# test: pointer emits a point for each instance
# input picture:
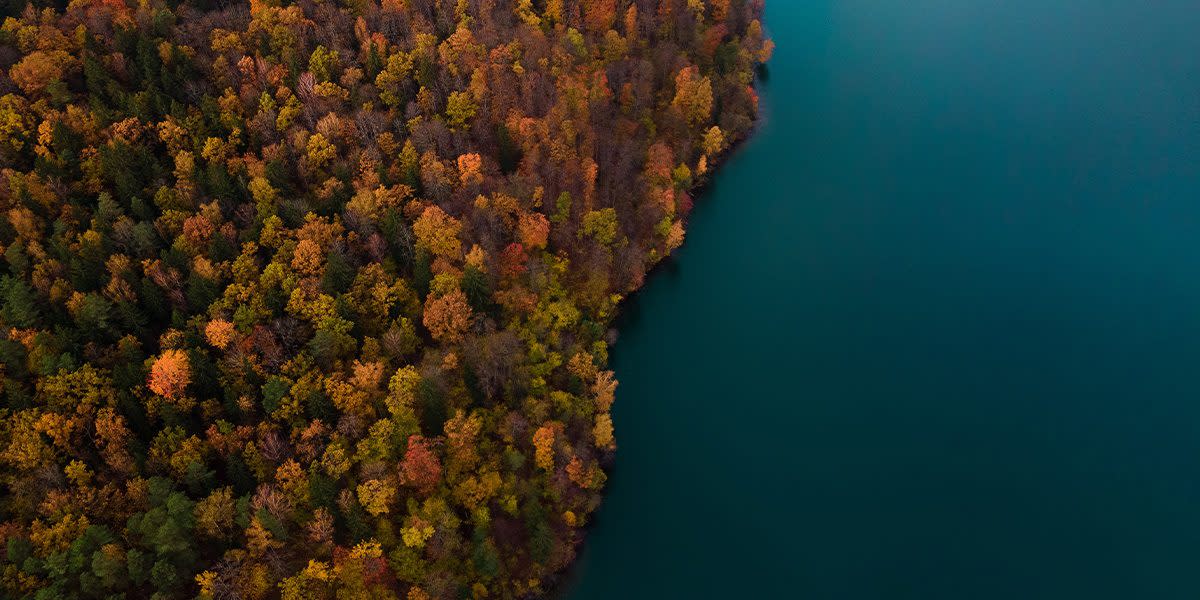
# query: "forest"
(314, 299)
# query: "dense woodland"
(313, 299)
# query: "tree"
(447, 317)
(308, 258)
(469, 169)
(402, 390)
(170, 374)
(534, 230)
(375, 496)
(311, 583)
(38, 70)
(319, 151)
(393, 80)
(112, 439)
(420, 467)
(162, 534)
(693, 95)
(544, 439)
(82, 390)
(323, 63)
(600, 225)
(599, 15)
(438, 232)
(219, 333)
(214, 514)
(460, 109)
(602, 432)
(714, 141)
(20, 306)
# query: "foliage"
(311, 299)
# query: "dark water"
(935, 332)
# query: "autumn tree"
(693, 95)
(420, 467)
(447, 317)
(170, 374)
(38, 71)
(599, 15)
(460, 109)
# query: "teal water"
(935, 332)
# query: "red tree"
(420, 468)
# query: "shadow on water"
(764, 73)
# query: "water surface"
(935, 332)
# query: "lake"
(935, 332)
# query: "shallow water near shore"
(935, 331)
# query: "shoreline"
(563, 582)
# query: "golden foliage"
(693, 95)
(376, 496)
(438, 232)
(37, 70)
(219, 333)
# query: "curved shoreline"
(563, 584)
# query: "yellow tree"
(438, 232)
(376, 496)
(714, 141)
(460, 109)
(693, 95)
(602, 432)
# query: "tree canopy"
(312, 299)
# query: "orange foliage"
(533, 229)
(469, 169)
(170, 374)
(307, 258)
(599, 15)
(447, 317)
(38, 70)
(543, 444)
(219, 333)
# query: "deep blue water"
(935, 332)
